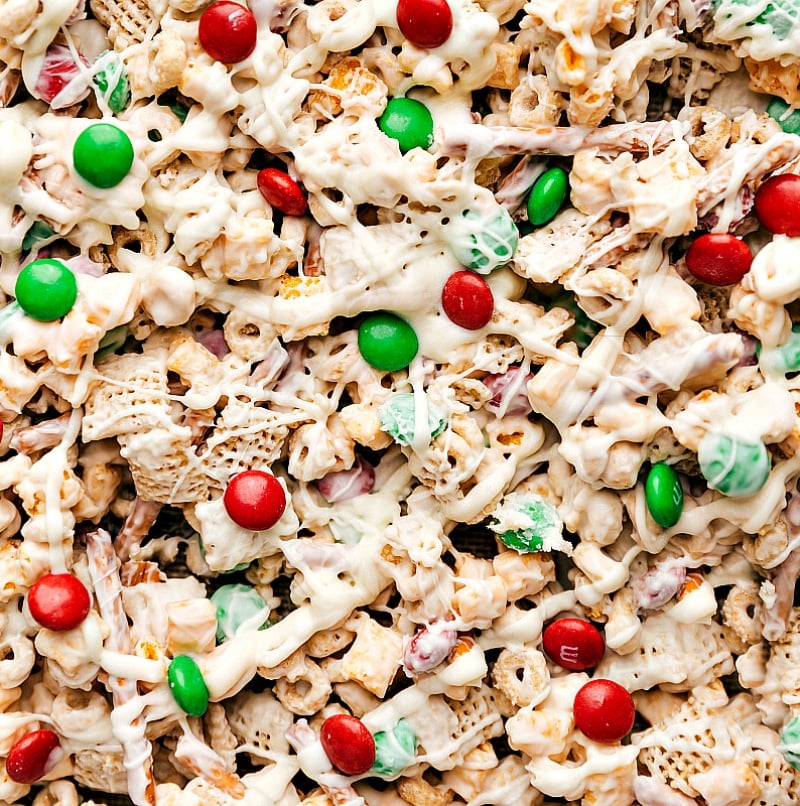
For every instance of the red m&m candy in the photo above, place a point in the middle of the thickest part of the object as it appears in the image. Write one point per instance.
(718, 258)
(282, 192)
(228, 32)
(59, 69)
(777, 204)
(425, 23)
(573, 643)
(33, 756)
(467, 300)
(348, 744)
(603, 710)
(254, 500)
(59, 601)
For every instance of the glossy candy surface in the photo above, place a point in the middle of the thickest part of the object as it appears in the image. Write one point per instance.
(394, 749)
(282, 192)
(187, 685)
(484, 242)
(102, 155)
(777, 204)
(398, 418)
(467, 300)
(348, 744)
(59, 601)
(254, 499)
(387, 342)
(573, 643)
(425, 23)
(46, 289)
(547, 195)
(228, 32)
(604, 711)
(664, 495)
(235, 605)
(718, 258)
(33, 756)
(409, 122)
(733, 466)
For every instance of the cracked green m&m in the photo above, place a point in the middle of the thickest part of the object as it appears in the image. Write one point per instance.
(187, 685)
(547, 195)
(409, 122)
(664, 495)
(789, 745)
(102, 155)
(235, 605)
(788, 119)
(734, 467)
(112, 82)
(395, 749)
(46, 289)
(387, 342)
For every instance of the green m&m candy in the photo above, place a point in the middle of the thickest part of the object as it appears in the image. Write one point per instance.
(664, 495)
(409, 122)
(584, 329)
(484, 241)
(235, 605)
(779, 15)
(785, 358)
(395, 749)
(187, 685)
(789, 744)
(398, 418)
(102, 155)
(38, 232)
(46, 289)
(527, 522)
(111, 81)
(788, 120)
(547, 195)
(733, 466)
(387, 342)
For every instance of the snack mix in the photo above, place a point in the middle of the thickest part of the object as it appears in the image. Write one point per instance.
(399, 402)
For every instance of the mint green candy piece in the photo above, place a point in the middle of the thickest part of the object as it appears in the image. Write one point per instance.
(484, 242)
(102, 155)
(112, 82)
(785, 358)
(789, 744)
(789, 121)
(112, 341)
(39, 231)
(235, 605)
(779, 15)
(547, 195)
(398, 418)
(734, 467)
(664, 495)
(394, 750)
(187, 685)
(46, 289)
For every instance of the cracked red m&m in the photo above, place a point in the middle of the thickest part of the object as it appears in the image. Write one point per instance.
(573, 643)
(718, 258)
(254, 500)
(33, 756)
(604, 711)
(348, 744)
(425, 23)
(467, 300)
(59, 601)
(281, 191)
(777, 204)
(228, 32)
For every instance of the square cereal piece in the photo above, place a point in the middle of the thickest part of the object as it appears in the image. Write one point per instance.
(374, 658)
